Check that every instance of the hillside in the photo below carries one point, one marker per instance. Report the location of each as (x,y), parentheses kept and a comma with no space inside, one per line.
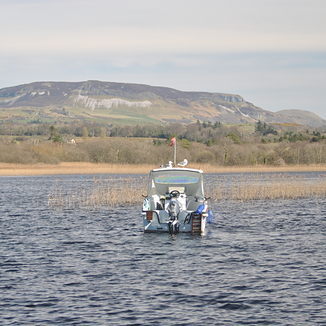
(123,103)
(302,117)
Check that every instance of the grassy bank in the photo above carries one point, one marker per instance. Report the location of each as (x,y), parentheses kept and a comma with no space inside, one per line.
(9,169)
(71,168)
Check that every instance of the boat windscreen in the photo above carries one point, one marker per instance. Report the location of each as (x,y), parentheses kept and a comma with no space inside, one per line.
(176,179)
(188,182)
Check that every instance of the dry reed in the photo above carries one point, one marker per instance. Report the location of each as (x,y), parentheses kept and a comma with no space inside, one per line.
(272,186)
(245,187)
(108,192)
(8,169)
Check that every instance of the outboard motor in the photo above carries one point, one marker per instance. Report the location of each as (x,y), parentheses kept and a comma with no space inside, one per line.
(173,226)
(174,209)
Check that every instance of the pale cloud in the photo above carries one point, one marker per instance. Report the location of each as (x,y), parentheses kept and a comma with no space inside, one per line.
(163,26)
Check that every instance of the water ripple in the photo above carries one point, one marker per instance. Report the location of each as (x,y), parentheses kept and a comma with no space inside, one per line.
(259,263)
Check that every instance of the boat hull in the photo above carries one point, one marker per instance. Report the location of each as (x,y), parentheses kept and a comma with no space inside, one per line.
(175,202)
(159,221)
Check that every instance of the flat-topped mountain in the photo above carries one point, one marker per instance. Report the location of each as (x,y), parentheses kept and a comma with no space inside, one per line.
(125,103)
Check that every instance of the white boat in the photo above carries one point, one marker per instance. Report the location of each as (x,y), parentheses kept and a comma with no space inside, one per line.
(175,201)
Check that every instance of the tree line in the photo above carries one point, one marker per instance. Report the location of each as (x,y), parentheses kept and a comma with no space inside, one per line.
(203,132)
(200,142)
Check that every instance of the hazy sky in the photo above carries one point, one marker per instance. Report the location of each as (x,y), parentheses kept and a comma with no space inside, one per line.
(271,52)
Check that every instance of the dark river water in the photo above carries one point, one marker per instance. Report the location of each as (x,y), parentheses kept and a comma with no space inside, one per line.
(259,263)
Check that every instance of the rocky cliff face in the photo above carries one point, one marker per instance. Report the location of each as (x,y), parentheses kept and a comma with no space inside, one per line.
(135,102)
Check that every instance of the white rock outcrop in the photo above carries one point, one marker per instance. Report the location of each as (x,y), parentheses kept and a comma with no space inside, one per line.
(94,103)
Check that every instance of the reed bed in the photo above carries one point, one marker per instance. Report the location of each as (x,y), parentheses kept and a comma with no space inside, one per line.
(102,193)
(123,191)
(209,168)
(127,191)
(267,187)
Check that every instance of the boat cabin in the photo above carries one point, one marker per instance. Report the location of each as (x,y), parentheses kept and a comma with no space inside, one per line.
(175,199)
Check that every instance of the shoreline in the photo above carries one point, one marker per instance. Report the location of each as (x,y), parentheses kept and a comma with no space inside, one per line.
(11,169)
